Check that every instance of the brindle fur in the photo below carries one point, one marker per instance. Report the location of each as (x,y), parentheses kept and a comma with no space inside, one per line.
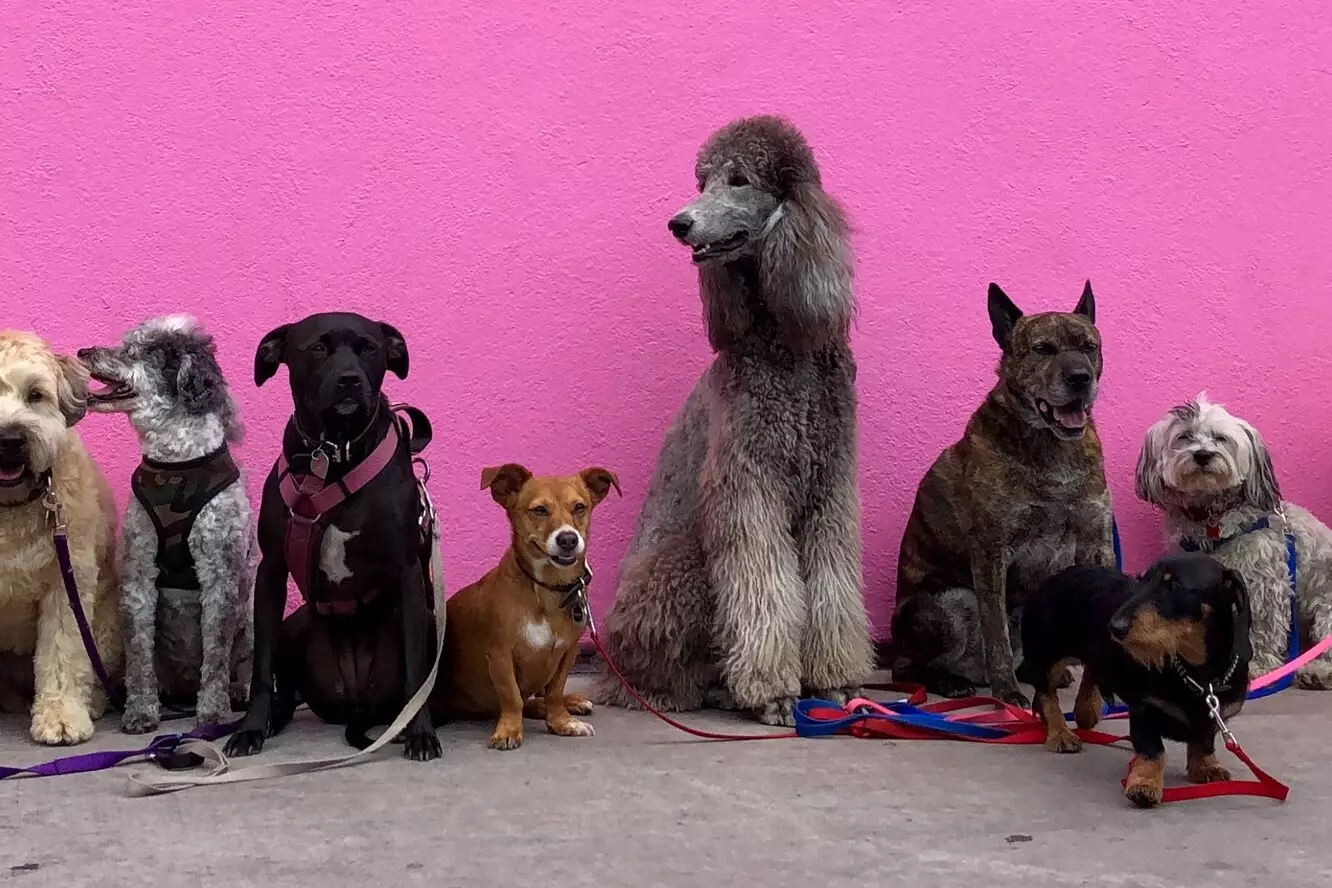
(1007,506)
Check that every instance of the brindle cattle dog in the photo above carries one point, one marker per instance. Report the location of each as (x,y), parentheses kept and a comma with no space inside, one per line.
(1021,496)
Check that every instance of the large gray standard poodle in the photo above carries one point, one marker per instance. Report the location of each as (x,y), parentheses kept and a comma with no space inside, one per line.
(742,586)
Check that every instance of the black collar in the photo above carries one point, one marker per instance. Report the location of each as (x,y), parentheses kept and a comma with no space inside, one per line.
(1210,688)
(573,594)
(324,451)
(39,489)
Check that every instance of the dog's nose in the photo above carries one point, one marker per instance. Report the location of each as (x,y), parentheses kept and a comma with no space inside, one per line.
(680,225)
(13,443)
(567,540)
(1119,627)
(349,380)
(1203,457)
(1078,379)
(85,353)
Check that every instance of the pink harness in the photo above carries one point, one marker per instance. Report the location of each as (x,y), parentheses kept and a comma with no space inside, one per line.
(309,498)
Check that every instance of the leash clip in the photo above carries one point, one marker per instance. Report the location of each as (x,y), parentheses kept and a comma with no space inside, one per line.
(55,510)
(1214,708)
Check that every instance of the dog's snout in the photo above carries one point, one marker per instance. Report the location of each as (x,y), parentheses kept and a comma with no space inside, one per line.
(12,443)
(1078,379)
(86,354)
(1119,626)
(680,225)
(349,380)
(1203,457)
(566,540)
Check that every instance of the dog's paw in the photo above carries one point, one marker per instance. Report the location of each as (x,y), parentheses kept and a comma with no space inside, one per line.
(248,741)
(61,723)
(422,747)
(1145,782)
(779,713)
(1014,697)
(1143,794)
(1063,678)
(571,727)
(1317,676)
(1206,769)
(578,704)
(1064,742)
(951,686)
(212,708)
(506,738)
(840,696)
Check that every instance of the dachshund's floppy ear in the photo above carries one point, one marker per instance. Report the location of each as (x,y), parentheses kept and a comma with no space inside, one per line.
(504,481)
(1004,316)
(72,389)
(1087,304)
(805,268)
(1236,592)
(599,482)
(396,345)
(269,354)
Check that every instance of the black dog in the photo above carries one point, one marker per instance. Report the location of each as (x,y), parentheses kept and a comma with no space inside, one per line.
(1163,644)
(360,646)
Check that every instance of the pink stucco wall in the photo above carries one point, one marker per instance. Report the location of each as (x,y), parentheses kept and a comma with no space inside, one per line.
(495,178)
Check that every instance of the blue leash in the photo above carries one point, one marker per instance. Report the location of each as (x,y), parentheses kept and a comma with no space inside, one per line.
(1292,571)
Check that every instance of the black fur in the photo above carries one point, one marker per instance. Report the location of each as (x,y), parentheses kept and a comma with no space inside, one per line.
(355,670)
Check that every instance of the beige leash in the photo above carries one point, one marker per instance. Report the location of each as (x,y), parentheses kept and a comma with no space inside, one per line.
(158,782)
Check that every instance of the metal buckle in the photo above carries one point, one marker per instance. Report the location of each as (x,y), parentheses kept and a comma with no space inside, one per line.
(1214,708)
(55,511)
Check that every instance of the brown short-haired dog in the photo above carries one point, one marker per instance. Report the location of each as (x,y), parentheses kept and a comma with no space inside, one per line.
(512,636)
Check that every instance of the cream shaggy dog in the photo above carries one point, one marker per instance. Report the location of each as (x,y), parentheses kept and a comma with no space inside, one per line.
(42,395)
(1212,475)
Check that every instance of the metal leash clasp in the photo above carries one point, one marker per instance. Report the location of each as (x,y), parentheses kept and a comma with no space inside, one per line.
(1214,709)
(55,511)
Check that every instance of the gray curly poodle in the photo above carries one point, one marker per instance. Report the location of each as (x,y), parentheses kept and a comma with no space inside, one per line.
(742,586)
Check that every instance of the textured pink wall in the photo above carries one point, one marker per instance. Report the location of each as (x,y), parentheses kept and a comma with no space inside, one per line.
(495,178)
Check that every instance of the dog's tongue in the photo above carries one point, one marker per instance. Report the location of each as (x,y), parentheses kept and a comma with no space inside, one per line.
(1071,416)
(8,474)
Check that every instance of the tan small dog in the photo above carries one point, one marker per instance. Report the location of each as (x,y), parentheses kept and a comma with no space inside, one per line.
(42,395)
(512,637)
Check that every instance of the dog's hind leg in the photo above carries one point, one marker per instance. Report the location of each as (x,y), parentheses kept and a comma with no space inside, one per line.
(1317,608)
(754,572)
(220,557)
(138,602)
(658,633)
(836,655)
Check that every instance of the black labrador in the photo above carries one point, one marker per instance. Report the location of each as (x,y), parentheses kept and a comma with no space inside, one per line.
(360,645)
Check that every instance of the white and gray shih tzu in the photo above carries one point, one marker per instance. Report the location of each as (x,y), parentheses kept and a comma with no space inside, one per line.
(1212,475)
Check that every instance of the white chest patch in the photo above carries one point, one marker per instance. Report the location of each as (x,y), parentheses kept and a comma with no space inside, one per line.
(333,554)
(538,634)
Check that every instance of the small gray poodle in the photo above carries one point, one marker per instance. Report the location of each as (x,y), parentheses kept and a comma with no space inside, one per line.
(186,580)
(742,587)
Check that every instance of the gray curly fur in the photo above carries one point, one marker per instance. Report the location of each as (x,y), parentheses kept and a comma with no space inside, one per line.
(176,641)
(742,585)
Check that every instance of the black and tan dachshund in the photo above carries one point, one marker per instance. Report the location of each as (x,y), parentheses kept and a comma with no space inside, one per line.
(1162,643)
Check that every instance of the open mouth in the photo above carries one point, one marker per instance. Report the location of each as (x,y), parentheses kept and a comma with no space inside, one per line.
(1067,419)
(13,475)
(113,390)
(565,560)
(704,252)
(346,407)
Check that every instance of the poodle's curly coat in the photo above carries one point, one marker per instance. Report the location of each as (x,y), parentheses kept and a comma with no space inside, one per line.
(742,585)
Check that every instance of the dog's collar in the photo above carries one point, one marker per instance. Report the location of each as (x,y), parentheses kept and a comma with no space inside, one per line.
(1221,684)
(194,463)
(1214,538)
(573,595)
(39,489)
(323,451)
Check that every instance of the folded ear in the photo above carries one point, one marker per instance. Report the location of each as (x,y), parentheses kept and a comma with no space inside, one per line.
(600,481)
(269,354)
(1236,592)
(1087,304)
(1003,316)
(72,389)
(504,481)
(396,344)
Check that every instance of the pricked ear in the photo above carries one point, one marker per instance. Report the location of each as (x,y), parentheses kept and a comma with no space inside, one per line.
(504,481)
(1004,316)
(600,481)
(396,346)
(72,389)
(269,354)
(1087,304)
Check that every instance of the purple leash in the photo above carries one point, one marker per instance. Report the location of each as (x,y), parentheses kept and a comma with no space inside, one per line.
(163,749)
(61,538)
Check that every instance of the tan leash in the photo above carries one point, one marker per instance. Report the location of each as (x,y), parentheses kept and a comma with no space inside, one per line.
(219,772)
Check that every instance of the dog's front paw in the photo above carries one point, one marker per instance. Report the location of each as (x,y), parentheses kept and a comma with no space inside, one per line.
(423,747)
(1064,742)
(1317,676)
(1206,769)
(578,704)
(506,737)
(1013,696)
(571,727)
(57,722)
(840,696)
(213,708)
(779,712)
(1146,782)
(951,686)
(247,741)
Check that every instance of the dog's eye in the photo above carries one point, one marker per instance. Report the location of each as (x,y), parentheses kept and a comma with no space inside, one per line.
(1046,349)
(1090,348)
(36,397)
(737,180)
(317,348)
(579,508)
(1221,439)
(540,511)
(1185,437)
(367,348)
